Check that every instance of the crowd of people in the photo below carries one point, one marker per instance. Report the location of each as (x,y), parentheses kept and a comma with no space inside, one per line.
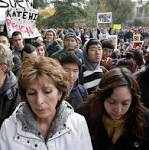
(74,90)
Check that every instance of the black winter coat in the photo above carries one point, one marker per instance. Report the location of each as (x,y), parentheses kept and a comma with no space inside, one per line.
(126,141)
(77,95)
(54,47)
(8,97)
(143,80)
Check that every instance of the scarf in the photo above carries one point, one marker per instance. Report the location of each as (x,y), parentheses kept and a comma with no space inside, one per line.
(114,128)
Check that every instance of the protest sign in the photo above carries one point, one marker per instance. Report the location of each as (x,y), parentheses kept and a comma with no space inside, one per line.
(104,17)
(5,4)
(23,20)
(114,40)
(117,26)
(136,37)
(138,44)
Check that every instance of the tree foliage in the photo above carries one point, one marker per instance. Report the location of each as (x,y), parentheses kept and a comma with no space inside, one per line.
(143,21)
(39,3)
(92,9)
(121,10)
(146,8)
(66,13)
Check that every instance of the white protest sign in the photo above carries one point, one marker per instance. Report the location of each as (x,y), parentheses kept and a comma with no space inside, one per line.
(5,4)
(114,40)
(23,20)
(104,17)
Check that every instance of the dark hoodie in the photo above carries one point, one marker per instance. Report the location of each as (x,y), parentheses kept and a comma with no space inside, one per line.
(143,80)
(8,97)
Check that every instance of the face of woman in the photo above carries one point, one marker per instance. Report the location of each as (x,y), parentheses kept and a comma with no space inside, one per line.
(41,51)
(118,103)
(49,36)
(43,96)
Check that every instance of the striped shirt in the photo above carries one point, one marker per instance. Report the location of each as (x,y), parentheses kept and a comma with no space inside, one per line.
(91,78)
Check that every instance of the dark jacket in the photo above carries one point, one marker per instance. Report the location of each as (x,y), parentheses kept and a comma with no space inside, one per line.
(8,97)
(52,48)
(143,80)
(16,61)
(125,142)
(77,95)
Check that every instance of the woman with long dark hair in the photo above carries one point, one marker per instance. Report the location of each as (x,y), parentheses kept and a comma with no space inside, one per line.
(116,117)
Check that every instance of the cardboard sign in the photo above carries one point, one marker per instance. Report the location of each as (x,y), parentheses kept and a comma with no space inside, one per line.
(23,20)
(5,4)
(136,37)
(114,40)
(104,17)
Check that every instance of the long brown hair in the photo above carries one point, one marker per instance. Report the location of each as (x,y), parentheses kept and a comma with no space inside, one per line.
(94,105)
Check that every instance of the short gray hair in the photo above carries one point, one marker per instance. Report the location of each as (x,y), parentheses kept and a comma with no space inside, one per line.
(6,56)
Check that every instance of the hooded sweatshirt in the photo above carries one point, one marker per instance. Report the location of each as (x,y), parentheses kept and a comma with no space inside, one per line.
(91,73)
(8,96)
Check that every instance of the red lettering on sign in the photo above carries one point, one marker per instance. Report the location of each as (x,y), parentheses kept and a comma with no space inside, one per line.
(18,27)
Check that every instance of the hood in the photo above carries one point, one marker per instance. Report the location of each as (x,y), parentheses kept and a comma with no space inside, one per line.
(88,65)
(25,115)
(10,81)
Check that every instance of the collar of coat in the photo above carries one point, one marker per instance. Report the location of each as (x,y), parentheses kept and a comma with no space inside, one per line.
(25,116)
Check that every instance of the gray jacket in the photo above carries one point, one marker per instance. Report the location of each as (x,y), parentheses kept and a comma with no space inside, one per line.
(8,96)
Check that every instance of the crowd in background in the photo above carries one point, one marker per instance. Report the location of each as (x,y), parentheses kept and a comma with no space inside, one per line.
(81,71)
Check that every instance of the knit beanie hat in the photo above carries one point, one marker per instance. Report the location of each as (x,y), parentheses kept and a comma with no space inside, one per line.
(53,31)
(70,34)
